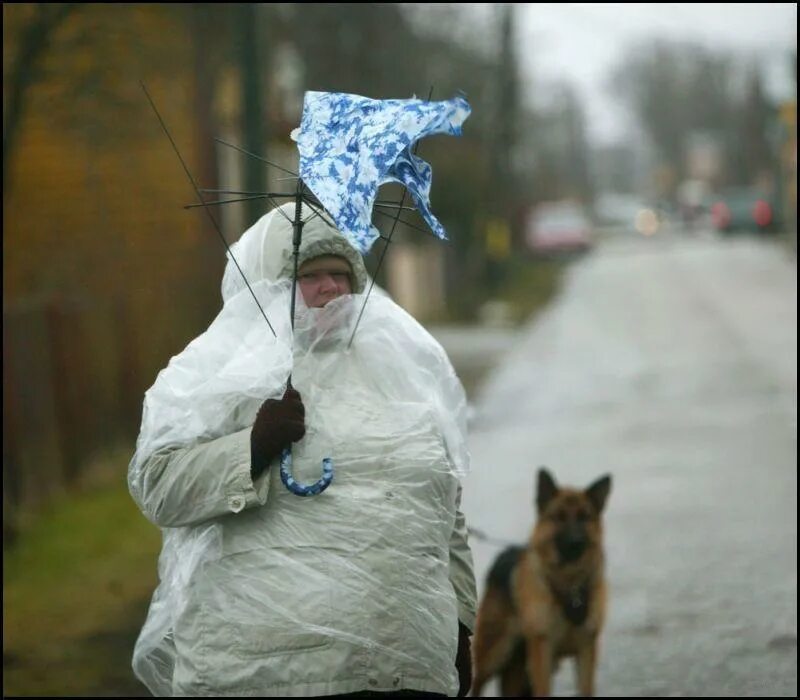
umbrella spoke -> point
(207, 210)
(227, 201)
(243, 192)
(253, 155)
(394, 205)
(280, 211)
(406, 223)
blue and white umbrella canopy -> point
(351, 145)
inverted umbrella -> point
(349, 146)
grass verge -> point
(76, 585)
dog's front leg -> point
(585, 665)
(539, 665)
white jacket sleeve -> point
(186, 486)
(462, 574)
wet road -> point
(670, 364)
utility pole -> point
(498, 233)
(201, 19)
(253, 115)
(507, 100)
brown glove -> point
(464, 661)
(278, 424)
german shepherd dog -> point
(547, 600)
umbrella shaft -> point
(296, 240)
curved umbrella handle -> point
(296, 487)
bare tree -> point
(677, 89)
(36, 34)
(754, 151)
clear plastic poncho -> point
(262, 592)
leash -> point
(480, 535)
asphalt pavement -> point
(671, 364)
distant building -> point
(704, 157)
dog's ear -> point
(545, 489)
(598, 492)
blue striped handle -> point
(296, 487)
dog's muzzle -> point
(571, 543)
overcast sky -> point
(582, 42)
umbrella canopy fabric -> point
(351, 145)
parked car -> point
(743, 209)
(558, 227)
(626, 213)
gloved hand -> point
(279, 423)
(464, 661)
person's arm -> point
(462, 574)
(189, 485)
(462, 577)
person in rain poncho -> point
(367, 588)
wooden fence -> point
(71, 388)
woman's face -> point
(323, 279)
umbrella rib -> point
(263, 195)
(371, 285)
(320, 210)
(391, 205)
(312, 205)
(406, 223)
(227, 201)
(207, 210)
(313, 201)
(253, 155)
(280, 211)
(245, 192)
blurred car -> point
(743, 209)
(692, 201)
(558, 227)
(617, 211)
(626, 213)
